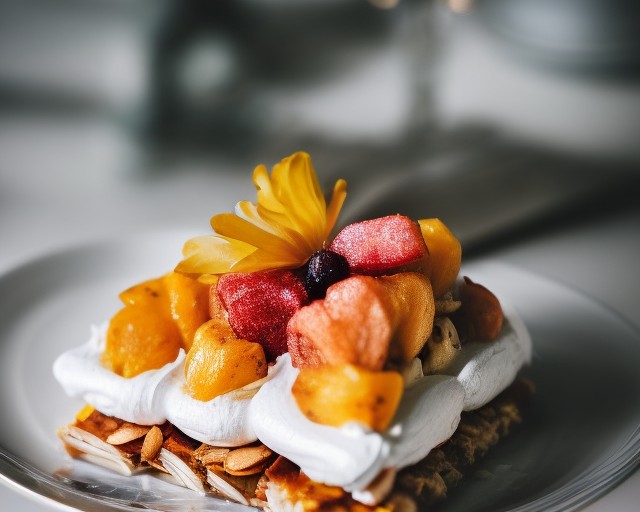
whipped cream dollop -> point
(350, 456)
(155, 396)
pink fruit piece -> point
(381, 246)
(260, 305)
(353, 324)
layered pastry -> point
(282, 367)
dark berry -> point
(324, 268)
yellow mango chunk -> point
(410, 299)
(149, 293)
(219, 361)
(335, 395)
(140, 338)
(189, 304)
(445, 255)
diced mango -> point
(139, 338)
(189, 304)
(445, 254)
(149, 293)
(411, 300)
(335, 395)
(219, 361)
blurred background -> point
(517, 122)
(111, 110)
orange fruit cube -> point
(410, 298)
(150, 293)
(445, 254)
(335, 395)
(189, 304)
(219, 361)
(140, 338)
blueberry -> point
(324, 268)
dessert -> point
(285, 368)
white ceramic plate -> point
(580, 438)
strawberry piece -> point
(260, 304)
(381, 246)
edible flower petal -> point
(290, 221)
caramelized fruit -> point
(445, 254)
(480, 317)
(140, 337)
(149, 293)
(189, 304)
(411, 301)
(335, 395)
(219, 361)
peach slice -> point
(189, 303)
(445, 254)
(335, 395)
(353, 324)
(411, 300)
(140, 338)
(361, 319)
(219, 361)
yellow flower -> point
(290, 222)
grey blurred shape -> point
(600, 36)
(486, 188)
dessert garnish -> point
(286, 368)
(289, 222)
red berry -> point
(260, 305)
(381, 246)
(324, 268)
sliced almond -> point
(109, 424)
(183, 474)
(246, 460)
(89, 447)
(209, 455)
(156, 464)
(222, 484)
(151, 444)
(253, 470)
(127, 433)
